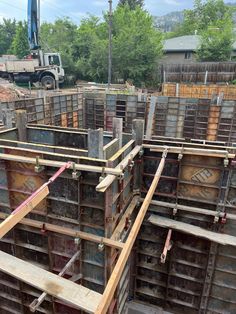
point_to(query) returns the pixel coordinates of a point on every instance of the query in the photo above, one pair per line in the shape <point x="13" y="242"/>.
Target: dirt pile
<point x="7" y="94"/>
<point x="10" y="91"/>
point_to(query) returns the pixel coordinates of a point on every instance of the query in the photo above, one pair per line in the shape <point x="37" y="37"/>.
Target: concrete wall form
<point x="72" y="203"/>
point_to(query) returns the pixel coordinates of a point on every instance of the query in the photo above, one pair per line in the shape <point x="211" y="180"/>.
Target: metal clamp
<point x="77" y="241"/>
<point x="102" y="177"/>
<point x="226" y="160"/>
<point x="141" y="152"/>
<point x="175" y="210"/>
<point x="165" y="152"/>
<point x="38" y="168"/>
<point x="101" y="246"/>
<point x="75" y="174"/>
<point x="181" y="154"/>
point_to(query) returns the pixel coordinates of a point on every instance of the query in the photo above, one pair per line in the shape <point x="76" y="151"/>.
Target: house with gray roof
<point x="180" y="50"/>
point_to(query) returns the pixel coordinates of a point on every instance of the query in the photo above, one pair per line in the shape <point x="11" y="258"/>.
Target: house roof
<point x="183" y="43"/>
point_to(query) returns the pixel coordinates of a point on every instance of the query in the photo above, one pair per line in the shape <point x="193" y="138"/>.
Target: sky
<point x="78" y="9"/>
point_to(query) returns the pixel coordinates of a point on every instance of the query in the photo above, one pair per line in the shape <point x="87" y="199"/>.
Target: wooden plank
<point x="21" y="122"/>
<point x="121" y="151"/>
<point x="104" y="185"/>
<point x="23" y="210"/>
<point x="58" y="164"/>
<point x="74" y="294"/>
<point x="125" y="253"/>
<point x="191" y="209"/>
<point x="66" y="231"/>
<point x="110" y="149"/>
<point x="192" y="151"/>
<point x="37" y="302"/>
<point x="196" y="231"/>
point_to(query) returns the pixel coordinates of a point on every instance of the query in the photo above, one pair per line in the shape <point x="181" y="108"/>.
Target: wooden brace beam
<point x="63" y="289"/>
<point x="69" y="232"/>
<point x="125" y="253"/>
<point x="196" y="231"/>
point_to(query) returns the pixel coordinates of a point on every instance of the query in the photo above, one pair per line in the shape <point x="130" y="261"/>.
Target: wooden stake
<point x="21" y="123"/>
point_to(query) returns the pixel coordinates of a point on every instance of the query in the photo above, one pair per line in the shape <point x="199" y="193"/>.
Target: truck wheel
<point x="48" y="82"/>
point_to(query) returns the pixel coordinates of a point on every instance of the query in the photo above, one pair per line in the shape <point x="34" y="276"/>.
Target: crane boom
<point x="33" y="24"/>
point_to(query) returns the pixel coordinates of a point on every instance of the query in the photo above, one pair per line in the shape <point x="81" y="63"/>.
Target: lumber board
<point x="191" y="209"/>
<point x="192" y="151"/>
<point x="104" y="185"/>
<point x="67" y="231"/>
<point x="16" y="217"/>
<point x="125" y="253"/>
<point x="220" y="238"/>
<point x="58" y="287"/>
<point x="59" y="164"/>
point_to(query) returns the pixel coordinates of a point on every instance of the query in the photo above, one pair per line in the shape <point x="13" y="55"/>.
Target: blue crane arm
<point x="33" y="31"/>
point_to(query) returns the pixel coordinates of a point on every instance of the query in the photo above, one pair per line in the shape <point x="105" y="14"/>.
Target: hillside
<point x="167" y="22"/>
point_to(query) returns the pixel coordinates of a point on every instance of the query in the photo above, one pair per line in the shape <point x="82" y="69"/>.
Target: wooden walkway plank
<point x="196" y="231"/>
<point x="63" y="289"/>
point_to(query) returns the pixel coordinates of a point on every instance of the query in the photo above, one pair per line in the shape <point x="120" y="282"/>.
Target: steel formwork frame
<point x="119" y="204"/>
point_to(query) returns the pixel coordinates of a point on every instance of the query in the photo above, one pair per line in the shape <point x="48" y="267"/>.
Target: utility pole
<point x="110" y="44"/>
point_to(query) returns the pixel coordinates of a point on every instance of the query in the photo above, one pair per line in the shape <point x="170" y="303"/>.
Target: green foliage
<point x="133" y="4"/>
<point x="60" y="37"/>
<point x="20" y="45"/>
<point x="7" y="33"/>
<point x="217" y="42"/>
<point x="204" y="13"/>
<point x="213" y="21"/>
<point x="137" y="46"/>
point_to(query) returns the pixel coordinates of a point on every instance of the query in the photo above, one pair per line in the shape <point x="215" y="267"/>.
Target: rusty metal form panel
<point x="57" y="137"/>
<point x="117" y="199"/>
<point x="222" y="295"/>
<point x="94" y="110"/>
<point x="101" y="108"/>
<point x="226" y="126"/>
<point x="110" y="110"/>
<point x="65" y="110"/>
<point x="181" y="117"/>
<point x="160" y="116"/>
<point x="198" y="275"/>
<point x="34" y="108"/>
<point x="73" y="203"/>
<point x="198" y="90"/>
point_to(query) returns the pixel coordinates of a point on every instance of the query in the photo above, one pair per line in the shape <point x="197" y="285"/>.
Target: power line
<point x="13" y="6"/>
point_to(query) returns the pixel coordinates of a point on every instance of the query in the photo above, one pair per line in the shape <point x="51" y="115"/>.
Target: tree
<point x="60" y="36"/>
<point x="133" y="4"/>
<point x="20" y="45"/>
<point x="137" y="46"/>
<point x="204" y="13"/>
<point x="91" y="48"/>
<point x="216" y="42"/>
<point x="7" y="33"/>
